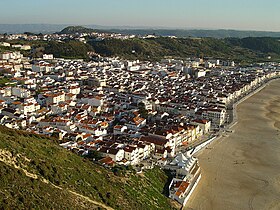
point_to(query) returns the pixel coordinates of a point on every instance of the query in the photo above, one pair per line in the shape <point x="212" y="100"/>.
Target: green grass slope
<point x="36" y="173"/>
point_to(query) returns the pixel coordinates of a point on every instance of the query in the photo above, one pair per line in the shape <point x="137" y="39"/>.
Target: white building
<point x="205" y="125"/>
<point x="200" y="73"/>
<point x="48" y="56"/>
<point x="54" y="98"/>
<point x="216" y="116"/>
<point x="180" y="189"/>
<point x="25" y="47"/>
<point x="10" y="55"/>
<point x="42" y="67"/>
<point x="5" y="44"/>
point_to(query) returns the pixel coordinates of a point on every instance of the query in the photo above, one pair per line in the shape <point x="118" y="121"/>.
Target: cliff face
<point x="36" y="173"/>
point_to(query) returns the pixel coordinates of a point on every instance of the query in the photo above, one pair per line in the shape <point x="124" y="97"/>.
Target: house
<point x="160" y="153"/>
<point x="179" y="189"/>
<point x="54" y="98"/>
<point x="93" y="130"/>
<point x="59" y="108"/>
<point x="116" y="154"/>
<point x="107" y="161"/>
<point x="10" y="55"/>
<point x="183" y="164"/>
<point x="205" y="125"/>
<point x="145" y="150"/>
<point x="25" y="47"/>
<point x="96" y="100"/>
<point x="216" y="116"/>
<point x="136" y="123"/>
<point x="74" y="90"/>
<point x="42" y="67"/>
<point x="47" y="56"/>
<point x="187" y="168"/>
<point x="28" y="108"/>
<point x="120" y="129"/>
<point x="131" y="154"/>
<point x="160" y="142"/>
<point x="59" y="122"/>
<point x="5" y="44"/>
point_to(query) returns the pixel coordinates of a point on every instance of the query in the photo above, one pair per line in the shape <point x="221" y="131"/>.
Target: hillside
<point x="68" y="49"/>
<point x="240" y="50"/>
<point x="77" y="29"/>
<point x="260" y="44"/>
<point x="36" y="173"/>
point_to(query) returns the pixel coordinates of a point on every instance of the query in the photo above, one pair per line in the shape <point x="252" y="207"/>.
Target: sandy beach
<point x="242" y="169"/>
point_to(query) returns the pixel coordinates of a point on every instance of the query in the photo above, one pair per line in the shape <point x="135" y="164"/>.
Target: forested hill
<point x="241" y="50"/>
<point x="78" y="29"/>
<point x="38" y="174"/>
<point x="259" y="44"/>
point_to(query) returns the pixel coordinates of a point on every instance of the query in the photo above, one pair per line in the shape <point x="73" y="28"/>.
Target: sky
<point x="202" y="14"/>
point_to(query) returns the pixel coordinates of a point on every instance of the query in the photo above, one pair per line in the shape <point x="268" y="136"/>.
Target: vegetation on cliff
<point x="37" y="173"/>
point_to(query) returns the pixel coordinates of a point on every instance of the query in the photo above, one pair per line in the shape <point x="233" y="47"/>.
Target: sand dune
<point x="242" y="170"/>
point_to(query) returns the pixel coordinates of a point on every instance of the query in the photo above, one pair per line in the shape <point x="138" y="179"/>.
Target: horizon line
<point x="129" y="27"/>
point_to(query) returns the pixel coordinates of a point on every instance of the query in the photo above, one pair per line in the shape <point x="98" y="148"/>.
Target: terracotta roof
<point x="182" y="188"/>
<point x="107" y="161"/>
<point x="138" y="120"/>
<point x="201" y="121"/>
<point x="157" y="140"/>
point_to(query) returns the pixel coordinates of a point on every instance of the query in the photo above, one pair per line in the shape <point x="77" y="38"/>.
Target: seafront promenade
<point x="232" y="120"/>
<point x="241" y="170"/>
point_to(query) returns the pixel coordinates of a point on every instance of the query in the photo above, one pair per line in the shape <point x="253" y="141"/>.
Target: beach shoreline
<point x="234" y="106"/>
<point x="232" y="151"/>
<point x="233" y="119"/>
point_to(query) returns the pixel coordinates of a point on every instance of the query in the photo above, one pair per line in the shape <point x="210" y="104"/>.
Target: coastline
<point x="234" y="120"/>
<point x="225" y="141"/>
<point x="234" y="109"/>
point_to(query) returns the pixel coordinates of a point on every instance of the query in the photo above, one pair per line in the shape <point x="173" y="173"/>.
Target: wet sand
<point x="242" y="170"/>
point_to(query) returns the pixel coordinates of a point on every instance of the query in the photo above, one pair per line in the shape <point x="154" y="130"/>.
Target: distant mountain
<point x="75" y="29"/>
<point x="78" y="29"/>
<point x="220" y="33"/>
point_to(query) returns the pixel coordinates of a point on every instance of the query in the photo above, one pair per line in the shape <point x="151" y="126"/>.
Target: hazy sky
<point x="228" y="14"/>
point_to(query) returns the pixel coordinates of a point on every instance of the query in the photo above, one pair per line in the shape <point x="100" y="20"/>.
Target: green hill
<point x="68" y="49"/>
<point x="240" y="50"/>
<point x="38" y="174"/>
<point x="79" y="29"/>
<point x="260" y="44"/>
<point x="75" y="29"/>
<point x="243" y="50"/>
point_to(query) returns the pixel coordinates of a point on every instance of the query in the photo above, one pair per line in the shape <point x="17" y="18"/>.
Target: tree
<point x="142" y="110"/>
